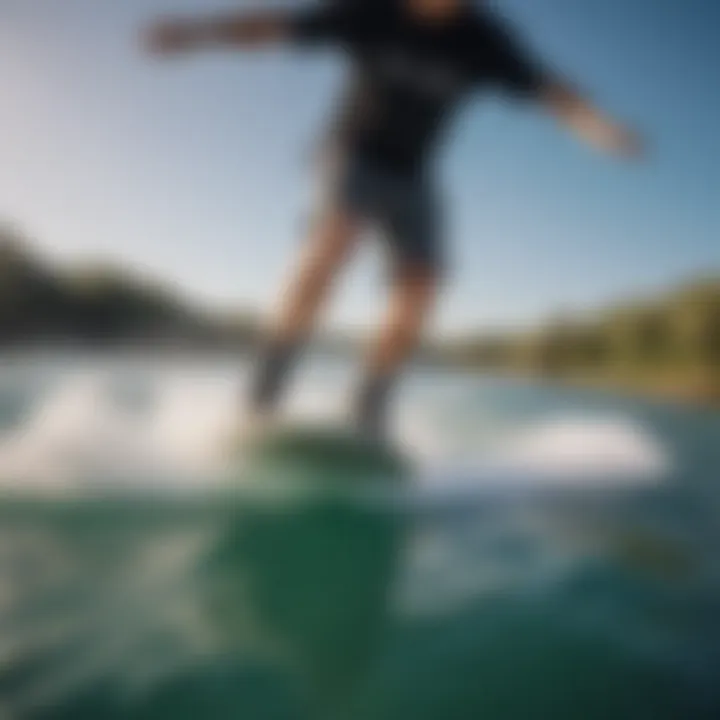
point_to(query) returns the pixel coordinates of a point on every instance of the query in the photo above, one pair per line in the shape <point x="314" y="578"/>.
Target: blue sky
<point x="196" y="170"/>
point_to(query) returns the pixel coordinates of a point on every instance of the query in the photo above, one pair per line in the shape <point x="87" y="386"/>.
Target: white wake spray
<point x="176" y="428"/>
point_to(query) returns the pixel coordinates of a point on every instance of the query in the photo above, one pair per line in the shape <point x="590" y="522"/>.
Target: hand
<point x="626" y="143"/>
<point x="170" y="37"/>
<point x="590" y="124"/>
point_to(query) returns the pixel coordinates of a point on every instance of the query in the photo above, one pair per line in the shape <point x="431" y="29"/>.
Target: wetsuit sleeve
<point x="333" y="24"/>
<point x="502" y="60"/>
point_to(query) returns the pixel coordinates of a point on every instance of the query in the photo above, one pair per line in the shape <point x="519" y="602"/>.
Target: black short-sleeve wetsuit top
<point x="409" y="75"/>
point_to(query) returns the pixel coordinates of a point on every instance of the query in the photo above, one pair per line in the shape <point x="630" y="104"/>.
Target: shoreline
<point x="696" y="388"/>
<point x="702" y="393"/>
<point x="703" y="396"/>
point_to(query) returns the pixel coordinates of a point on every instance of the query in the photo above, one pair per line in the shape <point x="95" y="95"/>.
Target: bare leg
<point x="323" y="257"/>
<point x="330" y="244"/>
<point x="411" y="301"/>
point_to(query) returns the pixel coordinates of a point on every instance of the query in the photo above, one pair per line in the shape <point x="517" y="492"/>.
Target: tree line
<point x="100" y="304"/>
<point x="667" y="342"/>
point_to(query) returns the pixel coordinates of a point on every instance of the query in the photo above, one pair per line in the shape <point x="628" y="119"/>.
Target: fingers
<point x="634" y="145"/>
<point x="619" y="141"/>
<point x="170" y="37"/>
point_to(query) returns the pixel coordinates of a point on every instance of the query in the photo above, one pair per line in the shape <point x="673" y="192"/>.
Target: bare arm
<point x="590" y="124"/>
<point x="246" y="30"/>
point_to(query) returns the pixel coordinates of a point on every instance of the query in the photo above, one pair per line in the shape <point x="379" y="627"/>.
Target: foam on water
<point x="176" y="429"/>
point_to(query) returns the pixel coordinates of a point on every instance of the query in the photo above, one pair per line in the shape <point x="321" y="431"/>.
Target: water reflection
<point x="228" y="609"/>
<point x="312" y="585"/>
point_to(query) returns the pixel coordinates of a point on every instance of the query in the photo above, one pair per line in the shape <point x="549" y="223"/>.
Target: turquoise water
<point x="555" y="558"/>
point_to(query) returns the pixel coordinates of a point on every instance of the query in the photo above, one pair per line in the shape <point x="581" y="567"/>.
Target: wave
<point x="102" y="429"/>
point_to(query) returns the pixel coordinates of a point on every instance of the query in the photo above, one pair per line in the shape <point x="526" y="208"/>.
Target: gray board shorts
<point x="404" y="209"/>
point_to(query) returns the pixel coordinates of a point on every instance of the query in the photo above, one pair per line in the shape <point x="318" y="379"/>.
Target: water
<point x="555" y="557"/>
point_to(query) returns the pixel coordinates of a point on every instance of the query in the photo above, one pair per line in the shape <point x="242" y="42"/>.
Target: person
<point x="413" y="62"/>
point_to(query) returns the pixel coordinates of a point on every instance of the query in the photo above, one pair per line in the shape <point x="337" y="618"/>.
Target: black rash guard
<point x="409" y="75"/>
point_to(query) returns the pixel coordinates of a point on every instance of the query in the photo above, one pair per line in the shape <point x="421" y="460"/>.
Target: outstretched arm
<point x="248" y="29"/>
<point x="588" y="123"/>
<point x="520" y="72"/>
<point x="334" y="23"/>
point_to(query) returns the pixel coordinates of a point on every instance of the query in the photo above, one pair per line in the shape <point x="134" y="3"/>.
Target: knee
<point x="330" y="247"/>
<point x="420" y="280"/>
